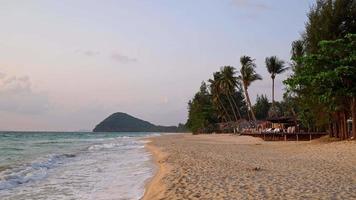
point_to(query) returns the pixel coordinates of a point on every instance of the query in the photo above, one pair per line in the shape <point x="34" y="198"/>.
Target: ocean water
<point x="54" y="166"/>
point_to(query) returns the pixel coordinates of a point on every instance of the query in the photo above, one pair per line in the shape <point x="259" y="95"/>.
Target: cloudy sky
<point x="66" y="65"/>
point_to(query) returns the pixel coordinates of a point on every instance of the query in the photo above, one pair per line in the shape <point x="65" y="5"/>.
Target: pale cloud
<point x="17" y="96"/>
<point x="89" y="53"/>
<point x="253" y="4"/>
<point x="122" y="58"/>
<point x="117" y="57"/>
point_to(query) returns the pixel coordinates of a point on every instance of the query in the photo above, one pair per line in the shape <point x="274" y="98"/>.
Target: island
<point x="123" y="122"/>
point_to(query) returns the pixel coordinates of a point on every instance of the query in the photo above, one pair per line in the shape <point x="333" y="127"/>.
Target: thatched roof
<point x="282" y="120"/>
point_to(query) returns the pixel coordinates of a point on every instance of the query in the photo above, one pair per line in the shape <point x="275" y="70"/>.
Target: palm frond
<point x="247" y="71"/>
<point x="275" y="66"/>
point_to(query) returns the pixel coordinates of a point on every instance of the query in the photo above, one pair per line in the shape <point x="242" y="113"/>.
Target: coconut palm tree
<point x="297" y="52"/>
<point x="216" y="92"/>
<point x="298" y="49"/>
<point x="229" y="83"/>
<point x="247" y="76"/>
<point x="275" y="66"/>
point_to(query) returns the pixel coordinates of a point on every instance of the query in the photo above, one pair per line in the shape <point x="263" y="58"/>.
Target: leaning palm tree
<point x="216" y="92"/>
<point x="229" y="83"/>
<point x="275" y="66"/>
<point x="247" y="76"/>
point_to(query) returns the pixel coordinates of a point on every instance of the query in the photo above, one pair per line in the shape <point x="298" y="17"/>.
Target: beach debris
<point x="257" y="169"/>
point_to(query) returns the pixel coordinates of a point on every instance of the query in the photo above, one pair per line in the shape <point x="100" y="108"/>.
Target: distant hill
<point x="122" y="122"/>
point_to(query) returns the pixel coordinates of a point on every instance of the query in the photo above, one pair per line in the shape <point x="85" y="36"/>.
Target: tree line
<point x="324" y="69"/>
<point x="320" y="93"/>
<point x="225" y="98"/>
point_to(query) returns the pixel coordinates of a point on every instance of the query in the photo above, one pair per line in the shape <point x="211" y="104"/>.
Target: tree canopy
<point x="261" y="107"/>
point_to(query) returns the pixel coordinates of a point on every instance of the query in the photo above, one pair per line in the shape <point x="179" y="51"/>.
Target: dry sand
<point x="242" y="167"/>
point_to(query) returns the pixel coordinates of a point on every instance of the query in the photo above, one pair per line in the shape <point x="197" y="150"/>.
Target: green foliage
<point x="122" y="122"/>
<point x="222" y="102"/>
<point x="248" y="71"/>
<point x="247" y="76"/>
<point x="329" y="20"/>
<point x="241" y="102"/>
<point x="201" y="111"/>
<point x="326" y="80"/>
<point x="226" y="95"/>
<point x="228" y="84"/>
<point x="323" y="62"/>
<point x="261" y="107"/>
<point x="229" y="81"/>
<point x="275" y="66"/>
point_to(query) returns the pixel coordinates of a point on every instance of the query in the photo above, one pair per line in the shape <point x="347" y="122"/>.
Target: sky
<point x="66" y="65"/>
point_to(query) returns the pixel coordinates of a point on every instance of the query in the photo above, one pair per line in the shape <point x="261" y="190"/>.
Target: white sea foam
<point x="36" y="170"/>
<point x="115" y="168"/>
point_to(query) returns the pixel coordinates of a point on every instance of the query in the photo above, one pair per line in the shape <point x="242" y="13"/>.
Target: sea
<point x="72" y="165"/>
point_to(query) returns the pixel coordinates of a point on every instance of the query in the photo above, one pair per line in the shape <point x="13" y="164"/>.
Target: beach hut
<point x="263" y="125"/>
<point x="283" y="123"/>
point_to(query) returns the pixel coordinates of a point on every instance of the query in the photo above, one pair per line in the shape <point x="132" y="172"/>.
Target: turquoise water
<point x="55" y="165"/>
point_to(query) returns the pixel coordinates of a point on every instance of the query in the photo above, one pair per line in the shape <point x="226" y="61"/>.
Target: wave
<point x="103" y="146"/>
<point x="12" y="177"/>
<point x="105" y="160"/>
<point x="11" y="149"/>
<point x="117" y="144"/>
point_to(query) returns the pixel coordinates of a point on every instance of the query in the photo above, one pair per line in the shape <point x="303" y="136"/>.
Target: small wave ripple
<point x="37" y="170"/>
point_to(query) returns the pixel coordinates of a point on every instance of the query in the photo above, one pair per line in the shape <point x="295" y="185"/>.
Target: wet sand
<point x="242" y="167"/>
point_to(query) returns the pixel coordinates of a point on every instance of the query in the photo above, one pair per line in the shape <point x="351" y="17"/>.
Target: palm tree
<point x="298" y="49"/>
<point x="215" y="88"/>
<point x="247" y="76"/>
<point x="297" y="52"/>
<point x="275" y="66"/>
<point x="229" y="83"/>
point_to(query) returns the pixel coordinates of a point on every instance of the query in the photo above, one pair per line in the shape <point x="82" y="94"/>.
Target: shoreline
<point x="235" y="167"/>
<point x="153" y="188"/>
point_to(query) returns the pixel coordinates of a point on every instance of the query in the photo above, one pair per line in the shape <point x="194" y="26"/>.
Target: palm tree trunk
<point x="331" y="130"/>
<point x="225" y="111"/>
<point x="338" y="124"/>
<point x="249" y="103"/>
<point x="273" y="93"/>
<point x="344" y="126"/>
<point x="232" y="107"/>
<point x="248" y="115"/>
<point x="353" y="114"/>
<point x="237" y="108"/>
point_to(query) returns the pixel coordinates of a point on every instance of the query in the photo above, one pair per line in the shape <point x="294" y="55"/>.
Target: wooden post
<point x="297" y="137"/>
<point x="310" y="137"/>
<point x="285" y="137"/>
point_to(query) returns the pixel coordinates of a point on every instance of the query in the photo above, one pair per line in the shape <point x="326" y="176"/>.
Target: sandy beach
<point x="242" y="167"/>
